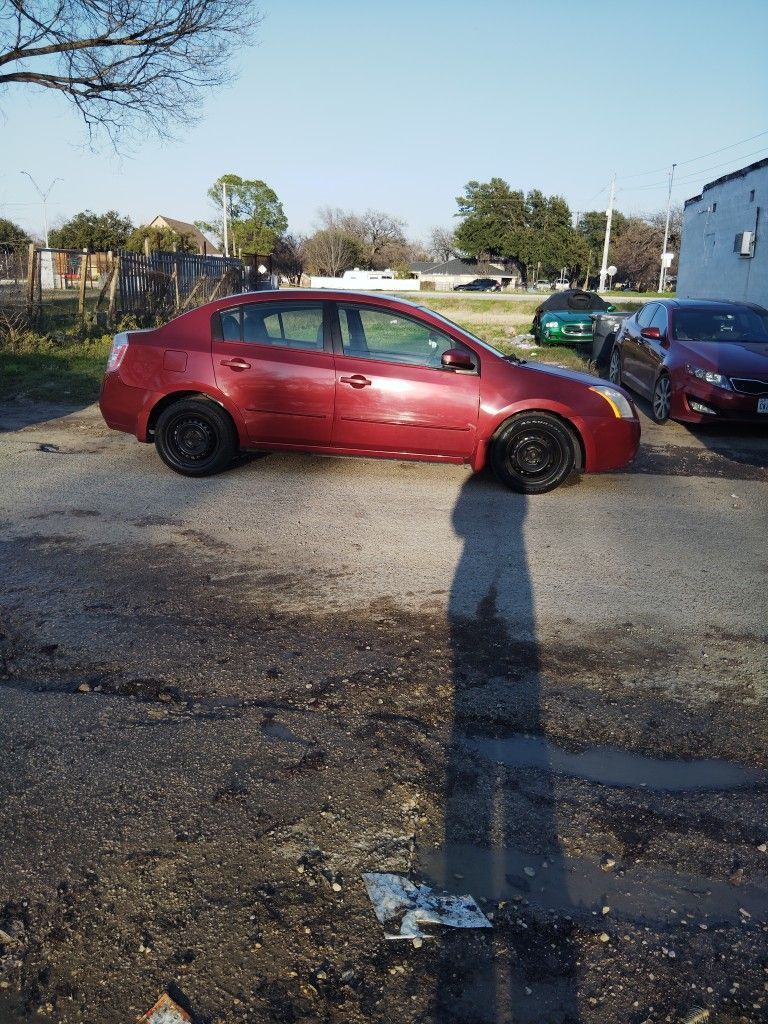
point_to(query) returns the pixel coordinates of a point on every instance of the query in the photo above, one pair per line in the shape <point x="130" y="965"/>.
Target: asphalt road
<point x="222" y="700"/>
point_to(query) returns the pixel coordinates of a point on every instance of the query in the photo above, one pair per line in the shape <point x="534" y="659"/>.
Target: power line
<point x="693" y="159"/>
<point x="686" y="179"/>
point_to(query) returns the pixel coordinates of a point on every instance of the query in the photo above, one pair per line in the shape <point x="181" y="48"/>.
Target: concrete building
<point x="724" y="246"/>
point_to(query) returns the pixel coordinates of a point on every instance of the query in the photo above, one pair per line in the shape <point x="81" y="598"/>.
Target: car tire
<point x="195" y="437"/>
<point x="614" y="366"/>
<point x="534" y="453"/>
<point x="661" y="401"/>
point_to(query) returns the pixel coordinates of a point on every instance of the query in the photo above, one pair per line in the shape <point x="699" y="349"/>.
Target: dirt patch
<point x="194" y="780"/>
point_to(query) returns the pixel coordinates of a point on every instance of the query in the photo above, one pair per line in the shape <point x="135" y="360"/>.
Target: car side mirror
<point x="611" y="309"/>
<point x="457" y="359"/>
<point x="651" y="332"/>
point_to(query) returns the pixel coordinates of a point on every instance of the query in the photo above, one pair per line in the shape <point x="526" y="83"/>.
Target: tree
<point x="637" y="250"/>
<point x="335" y="245"/>
<point x="382" y="240"/>
<point x="255" y="217"/>
<point x="493" y="220"/>
<point x="124" y="64"/>
<point x="99" y="232"/>
<point x="160" y="240"/>
<point x="288" y="257"/>
<point x="591" y="227"/>
<point x="11" y="235"/>
<point x="442" y="244"/>
<point x="525" y="231"/>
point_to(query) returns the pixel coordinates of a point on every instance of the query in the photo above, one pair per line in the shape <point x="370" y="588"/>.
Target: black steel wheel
<point x="662" y="399"/>
<point x="534" y="453"/>
<point x="195" y="437"/>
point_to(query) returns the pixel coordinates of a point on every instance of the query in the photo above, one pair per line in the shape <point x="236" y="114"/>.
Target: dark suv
<point x="480" y="284"/>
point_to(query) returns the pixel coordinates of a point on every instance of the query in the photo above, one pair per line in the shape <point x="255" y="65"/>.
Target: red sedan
<point x="350" y="374"/>
<point x="698" y="361"/>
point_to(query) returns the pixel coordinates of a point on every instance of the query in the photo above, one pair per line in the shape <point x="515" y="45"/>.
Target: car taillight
<point x="117" y="352"/>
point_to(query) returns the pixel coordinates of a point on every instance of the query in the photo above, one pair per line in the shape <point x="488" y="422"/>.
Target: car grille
<point x="750" y="386"/>
<point x="578" y="330"/>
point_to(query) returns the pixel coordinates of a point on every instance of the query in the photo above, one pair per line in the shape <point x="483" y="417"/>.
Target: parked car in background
<point x="565" y="317"/>
<point x="543" y="286"/>
<point x="480" y="284"/>
<point x="697" y="361"/>
<point x="353" y="374"/>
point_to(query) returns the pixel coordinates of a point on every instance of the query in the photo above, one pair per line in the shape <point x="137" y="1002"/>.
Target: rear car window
<point x="289" y="325"/>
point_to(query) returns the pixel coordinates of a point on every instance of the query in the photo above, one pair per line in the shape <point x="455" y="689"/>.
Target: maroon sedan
<point x="696" y="360"/>
<point x="350" y="374"/>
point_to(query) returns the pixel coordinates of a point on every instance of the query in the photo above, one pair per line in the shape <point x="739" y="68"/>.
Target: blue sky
<point x="397" y="105"/>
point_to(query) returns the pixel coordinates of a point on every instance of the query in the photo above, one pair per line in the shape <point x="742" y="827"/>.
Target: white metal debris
<point x="165" y="1011"/>
<point x="401" y="906"/>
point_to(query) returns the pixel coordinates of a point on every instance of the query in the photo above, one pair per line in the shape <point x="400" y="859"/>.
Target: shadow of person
<point x="500" y="835"/>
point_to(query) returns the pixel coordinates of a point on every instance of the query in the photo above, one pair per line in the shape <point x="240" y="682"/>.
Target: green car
<point x="565" y="317"/>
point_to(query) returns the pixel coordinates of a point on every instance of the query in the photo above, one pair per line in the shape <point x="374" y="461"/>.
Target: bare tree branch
<point x="124" y="64"/>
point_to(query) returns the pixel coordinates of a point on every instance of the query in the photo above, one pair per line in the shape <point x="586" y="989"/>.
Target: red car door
<point x="392" y="392"/>
<point x="271" y="360"/>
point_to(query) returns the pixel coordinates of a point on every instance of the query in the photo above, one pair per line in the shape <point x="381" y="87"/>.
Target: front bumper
<point x="696" y="401"/>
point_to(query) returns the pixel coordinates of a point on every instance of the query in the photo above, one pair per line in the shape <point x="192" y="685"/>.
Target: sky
<point x="395" y="106"/>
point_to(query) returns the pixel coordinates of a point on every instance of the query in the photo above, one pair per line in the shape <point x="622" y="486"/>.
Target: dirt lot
<point x="222" y="701"/>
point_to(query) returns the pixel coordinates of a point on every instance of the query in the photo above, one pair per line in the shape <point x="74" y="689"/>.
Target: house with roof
<point x="181" y="227"/>
<point x="446" y="274"/>
<point x="723" y="250"/>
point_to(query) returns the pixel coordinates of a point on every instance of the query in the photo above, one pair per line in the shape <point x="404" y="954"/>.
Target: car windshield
<point x="720" y="325"/>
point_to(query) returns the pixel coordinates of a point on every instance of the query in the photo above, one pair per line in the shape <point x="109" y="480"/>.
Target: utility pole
<point x="224" y="208"/>
<point x="607" y="242"/>
<point x="44" y="200"/>
<point x="663" y="271"/>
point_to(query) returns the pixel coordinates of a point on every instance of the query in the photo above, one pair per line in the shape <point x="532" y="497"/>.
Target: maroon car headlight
<point x="620" y="404"/>
<point x="717" y="380"/>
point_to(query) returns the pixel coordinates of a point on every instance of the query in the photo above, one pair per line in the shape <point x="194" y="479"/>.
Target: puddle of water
<point x="278" y="731"/>
<point x="614" y="767"/>
<point x="576" y="886"/>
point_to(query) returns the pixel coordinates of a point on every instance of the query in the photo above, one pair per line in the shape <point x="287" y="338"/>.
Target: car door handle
<point x="356" y="381"/>
<point x="236" y="364"/>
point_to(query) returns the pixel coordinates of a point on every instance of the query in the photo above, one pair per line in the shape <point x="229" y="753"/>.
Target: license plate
<point x="762" y="405"/>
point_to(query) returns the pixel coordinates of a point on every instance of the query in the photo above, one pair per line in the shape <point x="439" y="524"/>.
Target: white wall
<point x="708" y="267"/>
<point x="359" y="284"/>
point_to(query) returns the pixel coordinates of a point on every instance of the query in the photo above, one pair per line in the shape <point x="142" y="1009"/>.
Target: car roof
<point x="708" y="304"/>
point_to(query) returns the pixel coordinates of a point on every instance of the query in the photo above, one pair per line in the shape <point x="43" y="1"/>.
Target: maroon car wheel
<point x="534" y="453"/>
<point x="195" y="437"/>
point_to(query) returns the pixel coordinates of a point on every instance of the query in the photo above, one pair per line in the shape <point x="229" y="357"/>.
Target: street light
<point x="44" y="199"/>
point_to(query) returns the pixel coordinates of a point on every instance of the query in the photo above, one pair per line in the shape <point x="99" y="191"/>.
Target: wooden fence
<point x="49" y="286"/>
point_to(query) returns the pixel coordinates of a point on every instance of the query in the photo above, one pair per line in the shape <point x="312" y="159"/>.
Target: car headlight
<point x="717" y="380"/>
<point x="551" y="323"/>
<point x="622" y="408"/>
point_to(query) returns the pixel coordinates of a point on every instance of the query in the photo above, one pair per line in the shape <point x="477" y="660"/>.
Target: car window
<point x="646" y="314"/>
<point x="293" y="325"/>
<point x="381" y="334"/>
<point x="660" y="319"/>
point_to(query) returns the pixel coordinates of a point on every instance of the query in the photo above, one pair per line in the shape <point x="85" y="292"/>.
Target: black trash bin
<point x="605" y="327"/>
